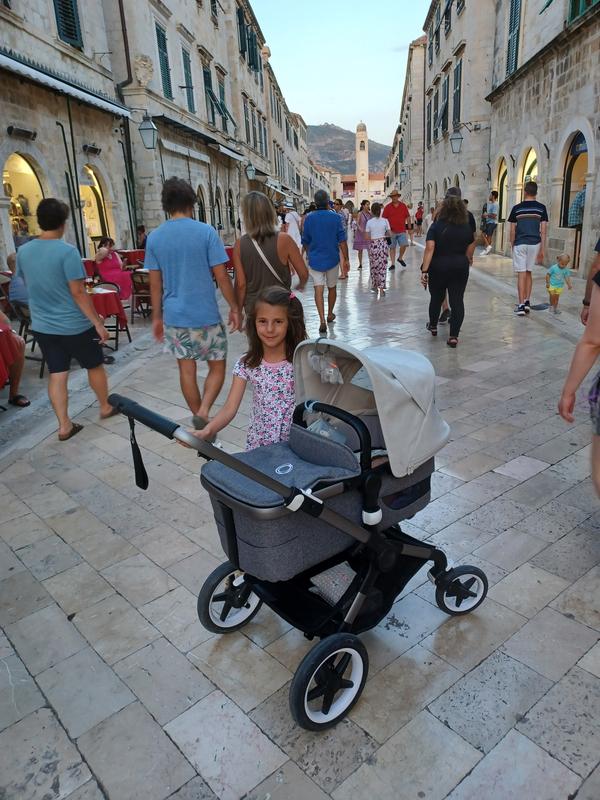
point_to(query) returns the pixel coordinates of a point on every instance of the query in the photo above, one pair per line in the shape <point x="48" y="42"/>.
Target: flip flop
<point x="112" y="413"/>
<point x="62" y="437"/>
<point x="19" y="400"/>
<point x="331" y="318"/>
<point x="108" y="359"/>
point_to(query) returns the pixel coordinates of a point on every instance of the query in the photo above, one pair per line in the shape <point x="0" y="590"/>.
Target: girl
<point x="274" y="328"/>
<point x="556" y="277"/>
<point x="376" y="231"/>
<point x="360" y="242"/>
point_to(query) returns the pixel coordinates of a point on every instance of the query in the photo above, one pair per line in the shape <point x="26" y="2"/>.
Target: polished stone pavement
<point x="110" y="687"/>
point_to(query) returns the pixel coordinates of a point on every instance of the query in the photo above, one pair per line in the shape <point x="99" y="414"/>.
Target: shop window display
<point x="22" y="187"/>
<point x="94" y="211"/>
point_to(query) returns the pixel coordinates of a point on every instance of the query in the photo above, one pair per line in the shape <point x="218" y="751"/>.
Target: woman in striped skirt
<point x="376" y="231"/>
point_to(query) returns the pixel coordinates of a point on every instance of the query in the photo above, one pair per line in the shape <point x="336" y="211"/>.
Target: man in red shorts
<point x="397" y="213"/>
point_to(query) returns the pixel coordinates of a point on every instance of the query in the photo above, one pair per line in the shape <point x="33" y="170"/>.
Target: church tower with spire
<point x="362" y="164"/>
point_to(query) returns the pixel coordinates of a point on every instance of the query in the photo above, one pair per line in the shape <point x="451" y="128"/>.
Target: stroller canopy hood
<point x="395" y="385"/>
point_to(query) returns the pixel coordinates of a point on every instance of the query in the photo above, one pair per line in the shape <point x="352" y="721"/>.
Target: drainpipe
<point x="424" y="130"/>
<point x="70" y="186"/>
<point x="127" y="149"/>
<point x="76" y="176"/>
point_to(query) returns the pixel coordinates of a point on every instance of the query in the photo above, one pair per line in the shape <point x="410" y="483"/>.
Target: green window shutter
<point x="445" y="94"/>
<point x="163" y="59"/>
<point x="187" y="77"/>
<point x="67" y="22"/>
<point x="514" y="27"/>
<point x="210" y="105"/>
<point x="428" y="124"/>
<point x="242" y="33"/>
<point x="436" y="101"/>
<point x="456" y="93"/>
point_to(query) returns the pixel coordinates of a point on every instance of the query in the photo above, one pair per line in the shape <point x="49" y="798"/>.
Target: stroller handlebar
<point x="358" y="426"/>
<point x="144" y="415"/>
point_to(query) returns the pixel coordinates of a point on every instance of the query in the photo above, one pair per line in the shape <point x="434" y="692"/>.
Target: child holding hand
<point x="275" y="326"/>
<point x="556" y="277"/>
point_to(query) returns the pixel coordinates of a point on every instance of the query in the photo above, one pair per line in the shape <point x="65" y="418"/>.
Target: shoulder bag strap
<point x="266" y="260"/>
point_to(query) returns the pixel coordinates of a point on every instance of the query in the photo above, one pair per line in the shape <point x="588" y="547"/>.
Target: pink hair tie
<point x="292" y="296"/>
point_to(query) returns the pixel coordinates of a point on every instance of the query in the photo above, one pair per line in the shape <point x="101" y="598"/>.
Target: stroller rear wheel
<point x="329" y="681"/>
<point x="226" y="602"/>
<point x="461" y="590"/>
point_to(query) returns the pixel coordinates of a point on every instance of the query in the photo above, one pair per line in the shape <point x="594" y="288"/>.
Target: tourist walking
<point x="183" y="256"/>
<point x="263" y="256"/>
<point x="361" y="243"/>
<point x="343" y="214"/>
<point x="325" y="240"/>
<point x="410" y="225"/>
<point x="377" y="231"/>
<point x="419" y="214"/>
<point x="528" y="222"/>
<point x="448" y="255"/>
<point x="292" y="224"/>
<point x="491" y="222"/>
<point x="429" y="218"/>
<point x="63" y="317"/>
<point x="557" y="276"/>
<point x="397" y="214"/>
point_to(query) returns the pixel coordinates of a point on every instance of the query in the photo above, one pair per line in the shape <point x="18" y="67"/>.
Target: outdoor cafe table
<point x="9" y="352"/>
<point x="132" y="257"/>
<point x="108" y="304"/>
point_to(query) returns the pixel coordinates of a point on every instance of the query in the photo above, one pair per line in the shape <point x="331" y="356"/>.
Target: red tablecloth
<point x="108" y="304"/>
<point x="90" y="267"/>
<point x="132" y="256"/>
<point x="9" y="352"/>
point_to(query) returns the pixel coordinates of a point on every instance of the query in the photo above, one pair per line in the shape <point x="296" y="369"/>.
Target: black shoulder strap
<point x="141" y="476"/>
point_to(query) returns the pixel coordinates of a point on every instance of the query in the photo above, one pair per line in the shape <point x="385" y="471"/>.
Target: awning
<point x="58" y="85"/>
<point x="227" y="152"/>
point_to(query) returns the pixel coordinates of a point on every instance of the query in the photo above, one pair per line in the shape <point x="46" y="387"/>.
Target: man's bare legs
<point x="58" y="392"/>
<point x="403" y="249"/>
<point x="524" y="286"/>
<point x="320" y="302"/>
<point x="331" y="298"/>
<point x="16" y="368"/>
<point x="213" y="384"/>
<point x="393" y="255"/>
<point x="99" y="385"/>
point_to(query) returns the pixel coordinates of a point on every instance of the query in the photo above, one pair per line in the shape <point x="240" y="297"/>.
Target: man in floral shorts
<point x="183" y="256"/>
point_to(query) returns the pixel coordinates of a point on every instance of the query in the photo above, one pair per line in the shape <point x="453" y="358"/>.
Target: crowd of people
<point x="187" y="263"/>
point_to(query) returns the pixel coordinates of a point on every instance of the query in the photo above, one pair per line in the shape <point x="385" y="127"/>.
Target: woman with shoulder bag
<point x="448" y="256"/>
<point x="264" y="257"/>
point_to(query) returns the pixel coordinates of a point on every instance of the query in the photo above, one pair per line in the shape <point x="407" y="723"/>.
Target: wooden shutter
<point x="514" y="26"/>
<point x="243" y="38"/>
<point x="428" y="125"/>
<point x="163" y="58"/>
<point x="187" y="77"/>
<point x="445" y="97"/>
<point x="456" y="93"/>
<point x="67" y="22"/>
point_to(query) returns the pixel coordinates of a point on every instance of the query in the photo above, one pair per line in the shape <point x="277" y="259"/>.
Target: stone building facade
<point x="545" y="115"/>
<point x="404" y="167"/>
<point x="199" y="71"/>
<point x="460" y="44"/>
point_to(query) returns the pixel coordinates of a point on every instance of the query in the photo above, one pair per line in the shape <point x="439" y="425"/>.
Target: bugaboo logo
<point x="284" y="469"/>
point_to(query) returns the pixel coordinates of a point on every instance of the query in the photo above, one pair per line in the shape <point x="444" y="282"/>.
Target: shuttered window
<point x="436" y="102"/>
<point x="242" y="35"/>
<point x="187" y="77"/>
<point x="67" y="22"/>
<point x="514" y="27"/>
<point x="444" y="108"/>
<point x="428" y="123"/>
<point x="163" y="60"/>
<point x="456" y="93"/>
<point x="579" y="7"/>
<point x="222" y="101"/>
<point x="246" y="117"/>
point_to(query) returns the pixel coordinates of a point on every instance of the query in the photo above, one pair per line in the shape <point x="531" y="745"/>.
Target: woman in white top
<point x="376" y="231"/>
<point x="292" y="223"/>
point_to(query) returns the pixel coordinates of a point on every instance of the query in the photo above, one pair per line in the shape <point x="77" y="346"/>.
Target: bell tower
<point x="362" y="164"/>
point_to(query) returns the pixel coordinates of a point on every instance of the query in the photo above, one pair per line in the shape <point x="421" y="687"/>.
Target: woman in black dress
<point x="448" y="256"/>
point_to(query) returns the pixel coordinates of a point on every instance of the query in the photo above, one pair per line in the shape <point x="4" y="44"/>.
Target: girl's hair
<point x="376" y="209"/>
<point x="296" y="332"/>
<point x="563" y="257"/>
<point x="106" y="241"/>
<point x="363" y="204"/>
<point x="453" y="210"/>
<point x="259" y="215"/>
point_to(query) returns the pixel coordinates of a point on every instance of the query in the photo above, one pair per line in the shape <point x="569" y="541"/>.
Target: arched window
<point x="361" y="146"/>
<point x="502" y="191"/>
<point x="201" y="206"/>
<point x="573" y="197"/>
<point x="24" y="191"/>
<point x="230" y="209"/>
<point x="456" y="181"/>
<point x="218" y="211"/>
<point x="94" y="210"/>
<point x="445" y="186"/>
<point x="435" y="193"/>
<point x="530" y="167"/>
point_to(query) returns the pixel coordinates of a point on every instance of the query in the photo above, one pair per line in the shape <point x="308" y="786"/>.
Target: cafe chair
<point x="113" y="328"/>
<point x="23" y="316"/>
<point x="140" y="296"/>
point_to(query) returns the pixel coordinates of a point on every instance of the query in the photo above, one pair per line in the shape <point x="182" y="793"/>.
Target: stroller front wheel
<point x="226" y="602"/>
<point x="461" y="590"/>
<point x="329" y="681"/>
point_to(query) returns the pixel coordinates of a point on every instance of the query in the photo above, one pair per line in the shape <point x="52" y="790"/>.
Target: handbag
<point x="266" y="260"/>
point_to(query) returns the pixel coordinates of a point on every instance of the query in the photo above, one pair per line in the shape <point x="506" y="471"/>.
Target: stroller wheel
<point x="461" y="590"/>
<point x="328" y="681"/>
<point x="226" y="602"/>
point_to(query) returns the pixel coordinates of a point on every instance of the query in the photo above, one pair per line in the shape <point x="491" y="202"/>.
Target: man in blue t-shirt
<point x="324" y="238"/>
<point x="528" y="222"/>
<point x="183" y="256"/>
<point x="63" y="317"/>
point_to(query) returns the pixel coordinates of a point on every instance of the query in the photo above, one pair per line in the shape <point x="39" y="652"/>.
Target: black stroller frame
<point x="332" y="675"/>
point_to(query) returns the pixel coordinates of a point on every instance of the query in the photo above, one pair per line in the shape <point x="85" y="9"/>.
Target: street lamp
<point x="402" y="176"/>
<point x="456" y="140"/>
<point x="148" y="131"/>
<point x="250" y="172"/>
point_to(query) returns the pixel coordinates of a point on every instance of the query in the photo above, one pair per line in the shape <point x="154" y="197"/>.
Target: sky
<point x="342" y="61"/>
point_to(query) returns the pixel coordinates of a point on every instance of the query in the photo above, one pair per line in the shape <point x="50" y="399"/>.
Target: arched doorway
<point x="230" y="210"/>
<point x="94" y="209"/>
<point x="218" y="211"/>
<point x="574" y="191"/>
<point x="445" y="186"/>
<point x="502" y="183"/>
<point x="530" y="168"/>
<point x="201" y="205"/>
<point x="457" y="181"/>
<point x="23" y="190"/>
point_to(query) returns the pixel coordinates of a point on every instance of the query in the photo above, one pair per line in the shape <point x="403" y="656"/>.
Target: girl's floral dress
<point x="273" y="402"/>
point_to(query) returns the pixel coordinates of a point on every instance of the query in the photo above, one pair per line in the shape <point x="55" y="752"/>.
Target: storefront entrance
<point x="23" y="191"/>
<point x="574" y="192"/>
<point x="94" y="209"/>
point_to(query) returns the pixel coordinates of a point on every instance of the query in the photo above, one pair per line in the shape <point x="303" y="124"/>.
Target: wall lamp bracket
<point x="21" y="133"/>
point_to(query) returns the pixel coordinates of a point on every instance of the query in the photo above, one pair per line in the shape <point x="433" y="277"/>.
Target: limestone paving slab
<point x="288" y="783"/>
<point x="572" y="555"/>
<point x="21" y="595"/>
<point x="49" y="556"/>
<point x="565" y="721"/>
<point x="76" y="524"/>
<point x="582" y="600"/>
<point x="164" y="545"/>
<point x="83" y="691"/>
<point x="101" y="549"/>
<point x="591" y="660"/>
<point x="9" y="563"/>
<point x="23" y="531"/>
<point x="590" y="788"/>
<point x="78" y="588"/>
<point x="424" y="759"/>
<point x="327" y="758"/>
<point x="214" y="735"/>
<point x="143" y="766"/>
<point x="89" y="791"/>
<point x="516" y="767"/>
<point x="139" y="580"/>
<point x="44" y="638"/>
<point x="163" y="679"/>
<point x="552" y="522"/>
<point x="510" y="549"/>
<point x="527" y="589"/>
<point x="38" y="761"/>
<point x="175" y="616"/>
<point x="19" y="695"/>
<point x="196" y="789"/>
<point x="522" y="468"/>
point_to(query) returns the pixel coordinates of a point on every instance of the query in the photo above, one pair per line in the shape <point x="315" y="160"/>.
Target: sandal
<point x="331" y="318"/>
<point x="323" y="328"/>
<point x="63" y="437"/>
<point x="431" y="329"/>
<point x="19" y="400"/>
<point x="452" y="341"/>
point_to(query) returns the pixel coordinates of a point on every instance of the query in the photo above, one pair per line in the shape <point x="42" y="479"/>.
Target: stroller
<point x="311" y="526"/>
